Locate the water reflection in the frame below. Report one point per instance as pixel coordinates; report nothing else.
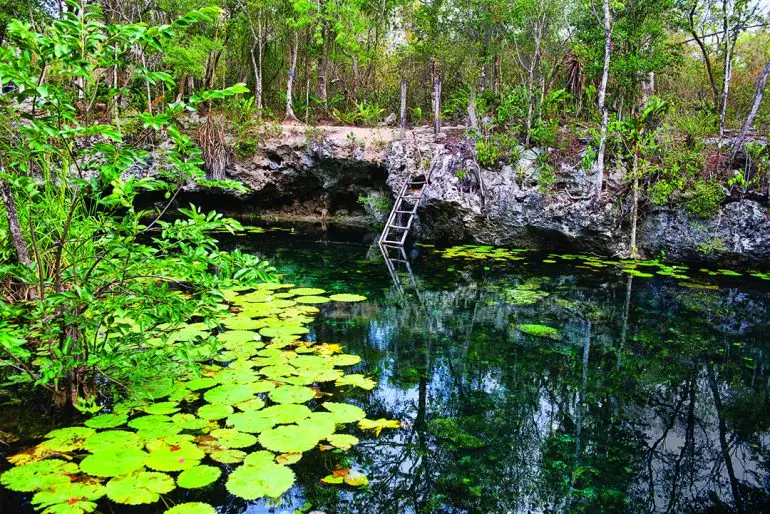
(653, 399)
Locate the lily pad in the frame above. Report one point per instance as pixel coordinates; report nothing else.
(200, 383)
(230, 438)
(162, 408)
(284, 414)
(345, 360)
(113, 463)
(42, 474)
(192, 508)
(312, 299)
(344, 413)
(251, 405)
(291, 394)
(342, 441)
(347, 298)
(175, 457)
(229, 394)
(288, 439)
(307, 291)
(107, 421)
(377, 425)
(113, 440)
(215, 411)
(72, 498)
(198, 476)
(252, 482)
(228, 456)
(539, 330)
(251, 422)
(139, 488)
(356, 380)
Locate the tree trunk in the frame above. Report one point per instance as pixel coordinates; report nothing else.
(753, 112)
(706, 58)
(14, 227)
(635, 209)
(472, 109)
(727, 13)
(290, 116)
(403, 108)
(257, 78)
(322, 69)
(354, 87)
(599, 167)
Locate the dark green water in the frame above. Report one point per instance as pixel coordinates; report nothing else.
(652, 399)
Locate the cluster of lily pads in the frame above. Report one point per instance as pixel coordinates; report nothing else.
(634, 268)
(250, 406)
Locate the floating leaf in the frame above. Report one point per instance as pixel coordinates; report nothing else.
(332, 480)
(288, 439)
(312, 299)
(107, 421)
(259, 458)
(230, 438)
(228, 394)
(356, 380)
(42, 474)
(70, 498)
(252, 422)
(283, 330)
(113, 440)
(68, 439)
(162, 408)
(355, 478)
(155, 425)
(139, 488)
(200, 383)
(113, 463)
(190, 422)
(284, 414)
(198, 476)
(291, 394)
(378, 424)
(345, 360)
(342, 441)
(252, 482)
(347, 297)
(344, 413)
(228, 456)
(539, 330)
(215, 411)
(288, 458)
(306, 291)
(174, 457)
(192, 508)
(251, 405)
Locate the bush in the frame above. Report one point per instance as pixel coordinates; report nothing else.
(497, 148)
(706, 197)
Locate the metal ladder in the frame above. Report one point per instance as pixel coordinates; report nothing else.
(404, 210)
(394, 262)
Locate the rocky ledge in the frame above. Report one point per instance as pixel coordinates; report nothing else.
(346, 172)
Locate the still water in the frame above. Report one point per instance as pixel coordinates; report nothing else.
(646, 393)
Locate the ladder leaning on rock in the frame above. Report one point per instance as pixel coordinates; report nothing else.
(404, 210)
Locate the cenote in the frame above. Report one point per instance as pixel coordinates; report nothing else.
(520, 382)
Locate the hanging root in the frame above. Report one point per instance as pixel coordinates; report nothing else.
(211, 138)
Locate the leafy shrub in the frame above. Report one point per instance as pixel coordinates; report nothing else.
(705, 198)
(661, 191)
(513, 105)
(543, 134)
(497, 148)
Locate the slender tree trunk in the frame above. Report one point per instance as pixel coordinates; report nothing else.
(706, 58)
(635, 210)
(322, 70)
(14, 227)
(599, 167)
(260, 53)
(472, 109)
(436, 96)
(354, 88)
(290, 116)
(403, 108)
(727, 13)
(753, 112)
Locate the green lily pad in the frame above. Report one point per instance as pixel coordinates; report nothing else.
(174, 457)
(155, 425)
(231, 438)
(113, 440)
(344, 297)
(199, 476)
(291, 394)
(68, 439)
(288, 439)
(251, 422)
(73, 498)
(306, 291)
(190, 421)
(139, 488)
(251, 405)
(192, 508)
(312, 299)
(215, 411)
(283, 330)
(107, 421)
(252, 482)
(229, 394)
(539, 330)
(342, 441)
(200, 383)
(259, 458)
(344, 413)
(42, 474)
(113, 463)
(228, 456)
(162, 408)
(356, 380)
(344, 359)
(285, 413)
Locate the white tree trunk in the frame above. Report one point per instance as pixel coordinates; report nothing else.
(753, 113)
(403, 108)
(436, 104)
(635, 212)
(727, 12)
(290, 116)
(599, 166)
(472, 110)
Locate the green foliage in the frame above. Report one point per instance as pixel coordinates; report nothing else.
(497, 148)
(705, 198)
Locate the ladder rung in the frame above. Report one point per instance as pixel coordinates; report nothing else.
(397, 243)
(399, 260)
(405, 212)
(418, 183)
(399, 227)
